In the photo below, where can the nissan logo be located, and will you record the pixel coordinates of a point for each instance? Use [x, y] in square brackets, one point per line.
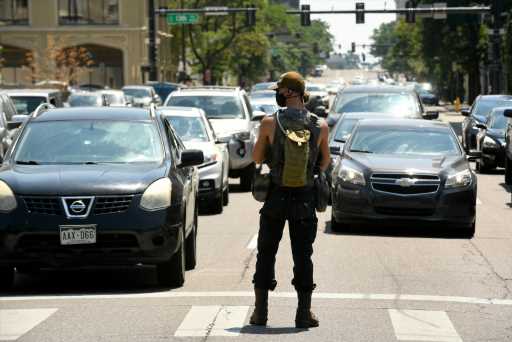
[405, 182]
[78, 207]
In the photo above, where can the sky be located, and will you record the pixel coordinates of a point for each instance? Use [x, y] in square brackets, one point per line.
[343, 26]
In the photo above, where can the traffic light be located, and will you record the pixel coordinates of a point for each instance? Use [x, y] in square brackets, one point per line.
[410, 16]
[353, 47]
[305, 18]
[359, 12]
[250, 16]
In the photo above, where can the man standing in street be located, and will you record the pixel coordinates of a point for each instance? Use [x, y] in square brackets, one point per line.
[291, 141]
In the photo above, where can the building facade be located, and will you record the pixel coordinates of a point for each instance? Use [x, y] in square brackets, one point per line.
[113, 32]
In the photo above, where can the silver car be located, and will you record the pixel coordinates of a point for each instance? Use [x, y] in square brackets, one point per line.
[194, 129]
[230, 113]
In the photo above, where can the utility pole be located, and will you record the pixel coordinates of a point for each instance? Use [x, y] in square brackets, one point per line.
[153, 75]
[183, 45]
[495, 48]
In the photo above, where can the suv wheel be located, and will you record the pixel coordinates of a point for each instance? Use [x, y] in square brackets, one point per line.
[246, 178]
[172, 272]
[508, 171]
[469, 231]
[6, 277]
[225, 197]
[191, 247]
[217, 204]
[337, 226]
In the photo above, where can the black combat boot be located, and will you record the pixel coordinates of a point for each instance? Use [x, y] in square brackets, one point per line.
[259, 316]
[305, 318]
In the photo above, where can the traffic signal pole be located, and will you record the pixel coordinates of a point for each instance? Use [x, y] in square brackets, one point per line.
[153, 74]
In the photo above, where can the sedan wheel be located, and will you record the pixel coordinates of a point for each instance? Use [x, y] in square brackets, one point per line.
[225, 197]
[469, 232]
[508, 171]
[337, 226]
[217, 205]
[191, 247]
[6, 277]
[172, 272]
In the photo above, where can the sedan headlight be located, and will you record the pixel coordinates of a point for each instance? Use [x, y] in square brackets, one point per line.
[242, 135]
[489, 143]
[7, 200]
[351, 175]
[459, 179]
[157, 196]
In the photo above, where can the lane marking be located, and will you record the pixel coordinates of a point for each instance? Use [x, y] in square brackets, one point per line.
[422, 325]
[283, 295]
[253, 244]
[214, 320]
[16, 323]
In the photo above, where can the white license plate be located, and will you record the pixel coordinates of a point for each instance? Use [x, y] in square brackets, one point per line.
[77, 235]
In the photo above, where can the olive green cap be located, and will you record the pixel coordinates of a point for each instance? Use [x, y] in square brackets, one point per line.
[291, 80]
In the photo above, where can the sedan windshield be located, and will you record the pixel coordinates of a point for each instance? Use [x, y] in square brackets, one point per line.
[404, 141]
[88, 141]
[85, 101]
[215, 107]
[484, 107]
[27, 104]
[137, 92]
[393, 103]
[115, 99]
[189, 128]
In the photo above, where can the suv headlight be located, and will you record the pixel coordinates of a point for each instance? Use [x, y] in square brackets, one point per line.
[351, 175]
[489, 143]
[459, 179]
[242, 135]
[7, 200]
[157, 196]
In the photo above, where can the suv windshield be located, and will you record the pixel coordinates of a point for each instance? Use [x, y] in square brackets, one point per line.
[89, 141]
[484, 107]
[85, 101]
[27, 104]
[392, 103]
[215, 107]
[189, 128]
[404, 141]
[344, 129]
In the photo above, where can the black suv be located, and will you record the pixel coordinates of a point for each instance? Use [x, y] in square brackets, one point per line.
[98, 186]
[508, 147]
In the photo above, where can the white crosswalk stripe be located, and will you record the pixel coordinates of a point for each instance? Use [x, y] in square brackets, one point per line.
[253, 244]
[15, 323]
[215, 320]
[422, 325]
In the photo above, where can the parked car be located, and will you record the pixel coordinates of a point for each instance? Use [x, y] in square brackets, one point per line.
[428, 97]
[88, 99]
[163, 89]
[397, 101]
[7, 106]
[262, 86]
[27, 100]
[318, 91]
[490, 141]
[477, 114]
[508, 148]
[264, 101]
[196, 132]
[230, 113]
[134, 203]
[399, 171]
[335, 86]
[7, 112]
[115, 98]
[143, 96]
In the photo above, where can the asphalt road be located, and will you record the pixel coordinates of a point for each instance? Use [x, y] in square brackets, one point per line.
[373, 285]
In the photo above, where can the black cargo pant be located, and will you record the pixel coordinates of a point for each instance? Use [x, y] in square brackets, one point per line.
[297, 206]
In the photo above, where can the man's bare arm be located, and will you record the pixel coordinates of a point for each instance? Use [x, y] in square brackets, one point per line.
[258, 154]
[324, 146]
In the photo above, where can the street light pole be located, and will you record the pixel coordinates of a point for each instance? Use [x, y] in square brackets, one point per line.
[153, 75]
[183, 52]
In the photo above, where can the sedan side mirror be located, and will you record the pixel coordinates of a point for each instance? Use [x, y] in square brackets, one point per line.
[258, 115]
[191, 158]
[474, 155]
[464, 112]
[481, 126]
[335, 150]
[17, 121]
[431, 116]
[508, 113]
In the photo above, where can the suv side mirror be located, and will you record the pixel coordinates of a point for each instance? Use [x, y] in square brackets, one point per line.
[481, 126]
[474, 155]
[191, 158]
[258, 115]
[431, 115]
[508, 113]
[464, 112]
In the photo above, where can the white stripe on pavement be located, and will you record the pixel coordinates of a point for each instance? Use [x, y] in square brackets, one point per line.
[204, 321]
[253, 244]
[478, 202]
[16, 323]
[422, 325]
[283, 295]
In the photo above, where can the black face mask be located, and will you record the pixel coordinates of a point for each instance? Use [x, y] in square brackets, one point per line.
[280, 99]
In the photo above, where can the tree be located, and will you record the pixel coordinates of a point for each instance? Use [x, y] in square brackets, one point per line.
[59, 61]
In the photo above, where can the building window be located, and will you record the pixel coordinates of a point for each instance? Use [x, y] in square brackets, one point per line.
[88, 12]
[13, 12]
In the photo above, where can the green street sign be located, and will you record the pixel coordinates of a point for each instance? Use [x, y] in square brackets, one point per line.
[182, 18]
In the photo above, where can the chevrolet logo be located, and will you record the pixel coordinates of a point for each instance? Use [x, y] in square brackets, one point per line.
[405, 182]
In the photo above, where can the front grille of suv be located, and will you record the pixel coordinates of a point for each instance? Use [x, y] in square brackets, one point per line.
[43, 205]
[112, 205]
[53, 205]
